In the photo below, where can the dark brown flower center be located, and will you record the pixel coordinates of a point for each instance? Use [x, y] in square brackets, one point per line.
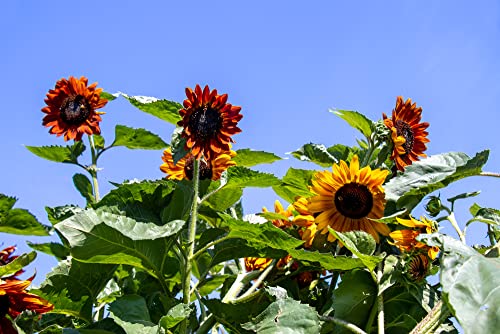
[353, 200]
[4, 305]
[205, 169]
[75, 110]
[405, 130]
[205, 122]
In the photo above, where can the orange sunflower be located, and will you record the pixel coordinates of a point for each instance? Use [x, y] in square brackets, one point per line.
[208, 122]
[406, 240]
[348, 199]
[6, 258]
[71, 108]
[278, 208]
[408, 134]
[14, 299]
[212, 169]
[305, 220]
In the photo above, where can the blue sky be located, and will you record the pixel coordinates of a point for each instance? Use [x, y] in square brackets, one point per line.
[284, 62]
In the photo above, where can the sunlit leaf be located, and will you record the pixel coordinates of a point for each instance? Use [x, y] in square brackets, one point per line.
[241, 177]
[294, 183]
[66, 154]
[484, 215]
[360, 244]
[18, 221]
[247, 158]
[163, 109]
[98, 141]
[423, 177]
[316, 153]
[109, 96]
[51, 248]
[59, 213]
[463, 195]
[356, 120]
[137, 139]
[19, 263]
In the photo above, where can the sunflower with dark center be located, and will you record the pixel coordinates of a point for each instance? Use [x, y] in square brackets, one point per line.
[418, 267]
[208, 122]
[408, 134]
[183, 169]
[71, 108]
[348, 198]
[14, 299]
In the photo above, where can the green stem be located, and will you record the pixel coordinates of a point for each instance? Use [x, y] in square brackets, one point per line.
[207, 246]
[369, 153]
[453, 221]
[490, 174]
[491, 236]
[347, 325]
[380, 302]
[191, 239]
[259, 280]
[93, 169]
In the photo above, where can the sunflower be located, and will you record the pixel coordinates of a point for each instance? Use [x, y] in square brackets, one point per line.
[418, 267]
[71, 108]
[278, 208]
[212, 169]
[6, 258]
[208, 122]
[348, 199]
[406, 240]
[14, 299]
[408, 134]
[305, 220]
[256, 263]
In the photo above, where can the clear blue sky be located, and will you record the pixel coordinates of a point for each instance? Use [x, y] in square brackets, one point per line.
[284, 62]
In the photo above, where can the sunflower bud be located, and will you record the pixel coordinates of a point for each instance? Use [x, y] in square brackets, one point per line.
[433, 207]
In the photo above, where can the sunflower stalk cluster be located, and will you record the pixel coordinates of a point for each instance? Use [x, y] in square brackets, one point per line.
[350, 252]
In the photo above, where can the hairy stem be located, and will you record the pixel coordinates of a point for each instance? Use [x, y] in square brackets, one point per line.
[347, 325]
[380, 302]
[433, 319]
[93, 169]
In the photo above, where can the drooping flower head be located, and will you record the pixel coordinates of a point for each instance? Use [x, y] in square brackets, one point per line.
[14, 299]
[209, 170]
[418, 266]
[408, 134]
[208, 122]
[71, 108]
[348, 198]
[406, 240]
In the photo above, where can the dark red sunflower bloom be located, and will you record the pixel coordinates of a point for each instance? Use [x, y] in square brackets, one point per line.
[71, 108]
[208, 122]
[14, 299]
[6, 258]
[408, 134]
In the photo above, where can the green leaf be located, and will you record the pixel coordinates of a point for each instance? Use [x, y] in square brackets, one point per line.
[285, 316]
[97, 236]
[18, 221]
[354, 298]
[396, 299]
[294, 183]
[73, 287]
[59, 213]
[317, 153]
[130, 308]
[99, 141]
[247, 158]
[326, 260]
[423, 177]
[51, 248]
[341, 152]
[66, 154]
[224, 198]
[470, 284]
[178, 144]
[463, 195]
[16, 265]
[241, 177]
[84, 187]
[179, 206]
[163, 109]
[360, 244]
[137, 139]
[175, 315]
[143, 327]
[109, 96]
[484, 215]
[356, 120]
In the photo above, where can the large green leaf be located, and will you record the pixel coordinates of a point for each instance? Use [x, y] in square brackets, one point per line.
[354, 298]
[59, 213]
[98, 236]
[470, 284]
[18, 221]
[294, 183]
[179, 206]
[240, 177]
[247, 158]
[356, 120]
[485, 215]
[131, 308]
[73, 287]
[285, 316]
[19, 263]
[84, 187]
[360, 244]
[316, 153]
[137, 139]
[163, 109]
[175, 315]
[51, 248]
[423, 177]
[66, 154]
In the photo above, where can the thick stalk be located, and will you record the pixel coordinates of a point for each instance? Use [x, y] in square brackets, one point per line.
[191, 239]
[432, 320]
[93, 169]
[453, 221]
[490, 174]
[380, 302]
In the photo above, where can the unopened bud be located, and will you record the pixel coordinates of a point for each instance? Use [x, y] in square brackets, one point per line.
[433, 207]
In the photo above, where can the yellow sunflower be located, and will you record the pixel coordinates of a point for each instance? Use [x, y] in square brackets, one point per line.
[208, 122]
[71, 108]
[278, 208]
[348, 199]
[305, 220]
[408, 134]
[406, 240]
[212, 169]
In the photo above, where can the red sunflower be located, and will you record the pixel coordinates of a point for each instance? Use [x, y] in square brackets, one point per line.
[408, 134]
[71, 108]
[6, 258]
[208, 122]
